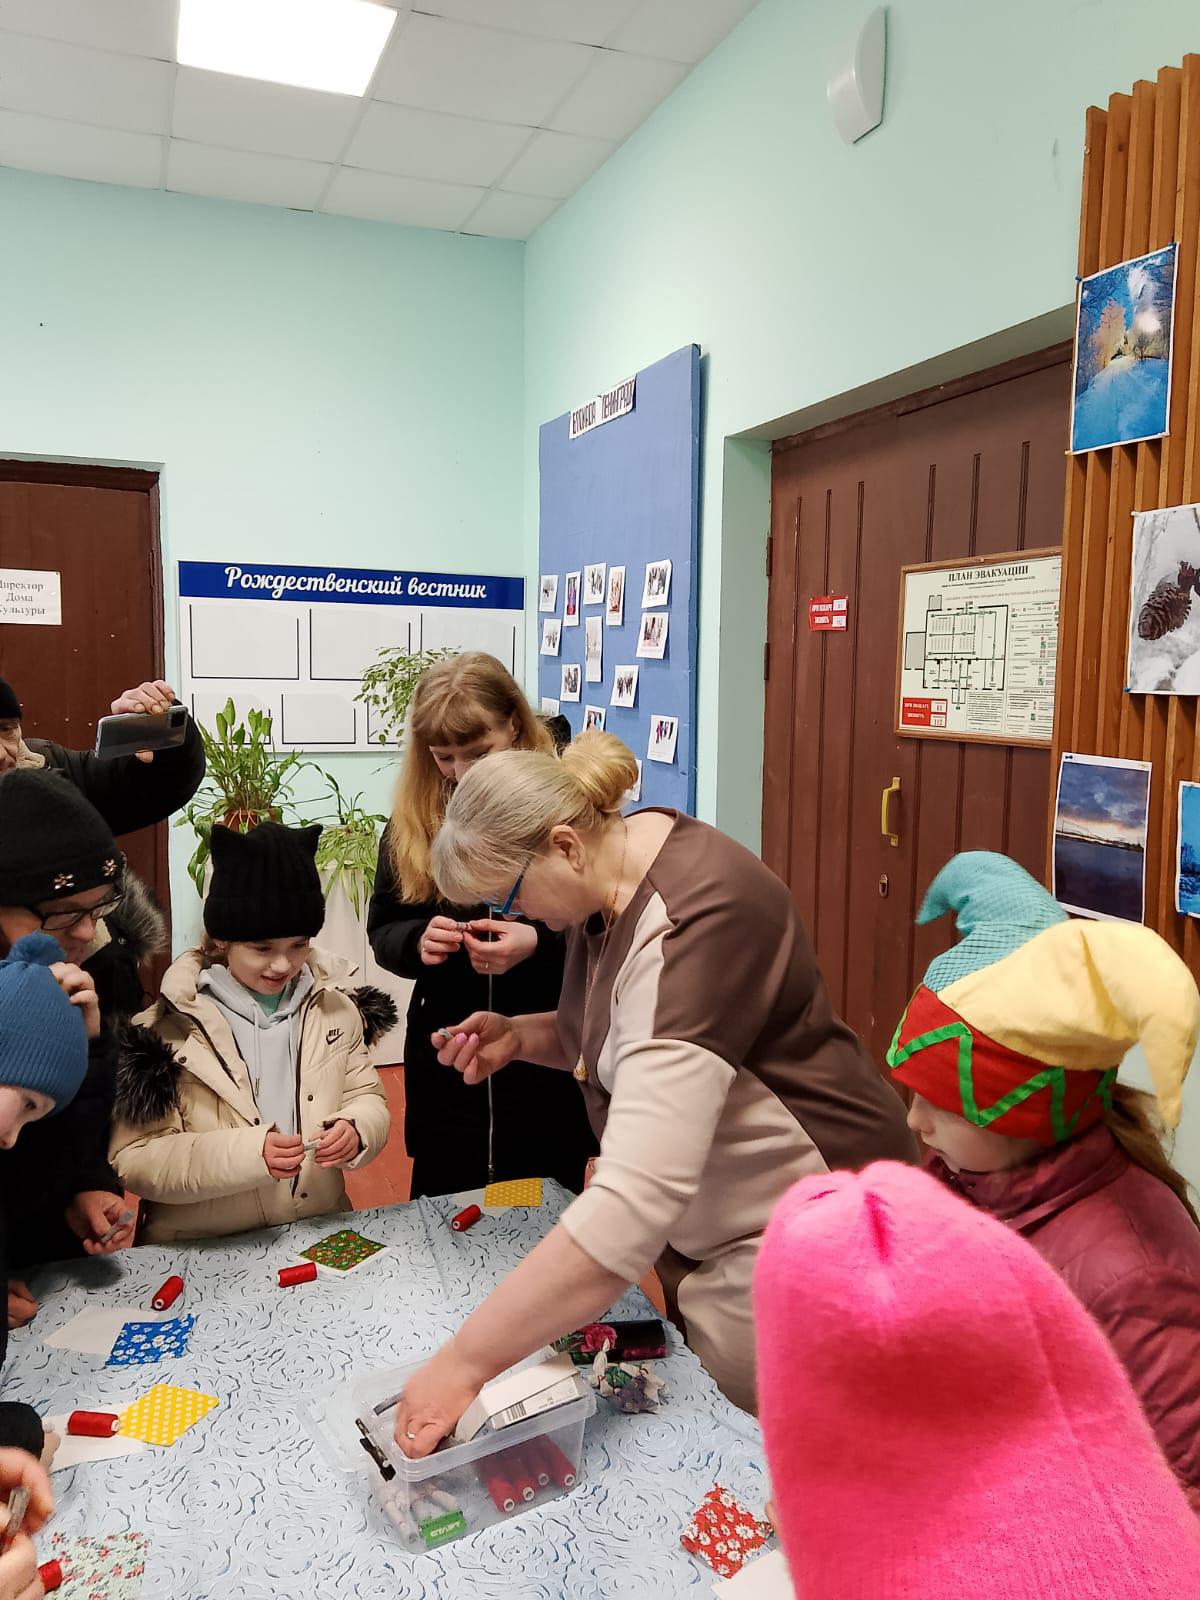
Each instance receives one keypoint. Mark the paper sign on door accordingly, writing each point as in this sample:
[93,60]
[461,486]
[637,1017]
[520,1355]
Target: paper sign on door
[30,597]
[827,613]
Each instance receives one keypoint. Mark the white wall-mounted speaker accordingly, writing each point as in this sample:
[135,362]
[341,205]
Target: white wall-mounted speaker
[856,89]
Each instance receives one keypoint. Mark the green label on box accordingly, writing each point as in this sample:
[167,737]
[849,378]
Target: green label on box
[440,1530]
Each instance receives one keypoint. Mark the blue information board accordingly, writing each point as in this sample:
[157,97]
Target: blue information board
[626,493]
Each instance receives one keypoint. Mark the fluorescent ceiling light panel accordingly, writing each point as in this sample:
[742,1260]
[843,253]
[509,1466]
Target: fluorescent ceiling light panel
[312,44]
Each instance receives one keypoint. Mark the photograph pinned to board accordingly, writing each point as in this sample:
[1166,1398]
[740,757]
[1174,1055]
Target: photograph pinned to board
[656,590]
[1164,602]
[1187,859]
[593,717]
[664,731]
[634,792]
[1124,326]
[548,592]
[624,690]
[571,585]
[593,649]
[570,681]
[652,637]
[548,706]
[1100,822]
[614,606]
[551,635]
[593,584]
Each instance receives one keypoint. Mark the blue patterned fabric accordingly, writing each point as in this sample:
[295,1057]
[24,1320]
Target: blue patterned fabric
[140,1342]
[998,907]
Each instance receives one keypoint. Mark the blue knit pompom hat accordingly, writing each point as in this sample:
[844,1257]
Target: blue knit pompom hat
[43,1037]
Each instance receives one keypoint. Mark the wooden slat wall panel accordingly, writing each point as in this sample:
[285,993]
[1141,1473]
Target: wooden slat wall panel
[1141,190]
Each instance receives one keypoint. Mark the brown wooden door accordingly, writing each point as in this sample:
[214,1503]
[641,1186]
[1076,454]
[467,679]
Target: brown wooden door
[98,528]
[969,473]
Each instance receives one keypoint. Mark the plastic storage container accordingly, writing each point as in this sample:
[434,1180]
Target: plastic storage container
[462,1488]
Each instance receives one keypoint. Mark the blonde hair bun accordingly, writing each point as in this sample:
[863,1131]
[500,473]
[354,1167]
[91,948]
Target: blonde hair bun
[602,768]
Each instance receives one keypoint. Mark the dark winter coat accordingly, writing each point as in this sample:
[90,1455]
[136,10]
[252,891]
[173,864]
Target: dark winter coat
[131,794]
[541,1122]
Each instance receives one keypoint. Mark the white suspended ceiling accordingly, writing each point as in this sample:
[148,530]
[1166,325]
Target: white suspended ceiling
[482,115]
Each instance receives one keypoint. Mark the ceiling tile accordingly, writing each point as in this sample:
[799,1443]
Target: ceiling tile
[133,27]
[51,79]
[384,198]
[619,92]
[556,163]
[679,30]
[477,72]
[428,145]
[73,150]
[270,118]
[510,216]
[583,21]
[243,175]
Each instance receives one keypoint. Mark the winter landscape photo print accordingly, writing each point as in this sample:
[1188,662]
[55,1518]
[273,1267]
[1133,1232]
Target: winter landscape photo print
[1122,380]
[1187,865]
[1100,837]
[1164,602]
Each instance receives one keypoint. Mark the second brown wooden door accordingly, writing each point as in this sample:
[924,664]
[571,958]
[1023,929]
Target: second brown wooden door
[977,474]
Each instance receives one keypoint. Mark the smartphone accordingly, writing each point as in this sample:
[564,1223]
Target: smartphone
[126,735]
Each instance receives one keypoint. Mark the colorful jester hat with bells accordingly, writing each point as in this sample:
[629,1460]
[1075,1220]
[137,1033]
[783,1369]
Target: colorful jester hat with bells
[1021,1026]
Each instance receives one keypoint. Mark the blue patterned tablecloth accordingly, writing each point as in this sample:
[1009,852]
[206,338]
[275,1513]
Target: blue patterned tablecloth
[254,1502]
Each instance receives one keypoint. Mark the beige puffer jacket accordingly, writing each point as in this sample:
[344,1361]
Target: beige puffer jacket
[187,1136]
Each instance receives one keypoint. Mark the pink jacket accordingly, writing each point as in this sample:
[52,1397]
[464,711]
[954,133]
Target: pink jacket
[1131,1254]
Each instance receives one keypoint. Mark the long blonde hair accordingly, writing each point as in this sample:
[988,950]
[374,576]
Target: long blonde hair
[505,808]
[1135,1124]
[455,701]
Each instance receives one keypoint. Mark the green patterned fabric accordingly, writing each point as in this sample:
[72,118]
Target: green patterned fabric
[997,906]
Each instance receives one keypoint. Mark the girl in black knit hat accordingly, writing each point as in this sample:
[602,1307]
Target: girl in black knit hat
[245,1092]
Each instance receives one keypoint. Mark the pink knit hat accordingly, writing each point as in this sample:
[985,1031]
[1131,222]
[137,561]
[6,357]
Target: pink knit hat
[942,1418]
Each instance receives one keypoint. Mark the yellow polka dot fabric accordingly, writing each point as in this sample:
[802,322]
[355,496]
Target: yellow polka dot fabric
[164,1413]
[517,1192]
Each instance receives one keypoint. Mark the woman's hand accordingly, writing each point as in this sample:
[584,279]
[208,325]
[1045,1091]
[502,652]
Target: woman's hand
[481,1045]
[19,1572]
[340,1144]
[433,1401]
[20,1470]
[22,1307]
[510,944]
[80,989]
[283,1153]
[154,697]
[92,1214]
[442,937]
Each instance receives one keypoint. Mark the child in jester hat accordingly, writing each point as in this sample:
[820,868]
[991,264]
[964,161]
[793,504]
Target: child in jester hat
[1011,1048]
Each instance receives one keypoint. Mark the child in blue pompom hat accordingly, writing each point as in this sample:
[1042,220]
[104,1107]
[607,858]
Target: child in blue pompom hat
[43,1058]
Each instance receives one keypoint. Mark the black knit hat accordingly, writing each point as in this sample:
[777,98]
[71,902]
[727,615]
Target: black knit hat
[10,706]
[53,842]
[265,884]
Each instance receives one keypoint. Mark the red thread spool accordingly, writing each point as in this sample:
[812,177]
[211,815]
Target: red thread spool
[51,1574]
[93,1424]
[518,1465]
[503,1494]
[556,1464]
[167,1294]
[466,1219]
[304,1274]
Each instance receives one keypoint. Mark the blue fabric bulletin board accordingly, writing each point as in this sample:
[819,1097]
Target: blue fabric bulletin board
[627,493]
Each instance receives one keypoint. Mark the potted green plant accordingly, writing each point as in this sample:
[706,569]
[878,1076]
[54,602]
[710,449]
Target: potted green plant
[246,781]
[349,846]
[388,684]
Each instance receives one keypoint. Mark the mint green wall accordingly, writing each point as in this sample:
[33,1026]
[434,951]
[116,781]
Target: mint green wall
[736,218]
[315,389]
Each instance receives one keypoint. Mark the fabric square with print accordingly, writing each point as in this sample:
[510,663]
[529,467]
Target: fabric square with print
[342,1251]
[100,1567]
[139,1342]
[164,1413]
[723,1533]
[516,1192]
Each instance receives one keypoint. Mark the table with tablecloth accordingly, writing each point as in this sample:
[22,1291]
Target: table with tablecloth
[255,1500]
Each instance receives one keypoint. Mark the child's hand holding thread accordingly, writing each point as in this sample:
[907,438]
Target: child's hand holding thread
[339,1145]
[283,1154]
[442,937]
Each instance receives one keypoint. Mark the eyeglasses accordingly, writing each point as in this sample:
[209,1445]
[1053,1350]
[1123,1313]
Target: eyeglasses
[63,921]
[503,911]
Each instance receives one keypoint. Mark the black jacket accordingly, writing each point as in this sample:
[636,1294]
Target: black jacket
[541,1123]
[20,1425]
[131,794]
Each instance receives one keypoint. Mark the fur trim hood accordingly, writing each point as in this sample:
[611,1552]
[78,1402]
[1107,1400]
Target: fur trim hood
[148,1069]
[137,922]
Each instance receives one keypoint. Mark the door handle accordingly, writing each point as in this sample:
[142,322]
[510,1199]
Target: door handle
[892,792]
